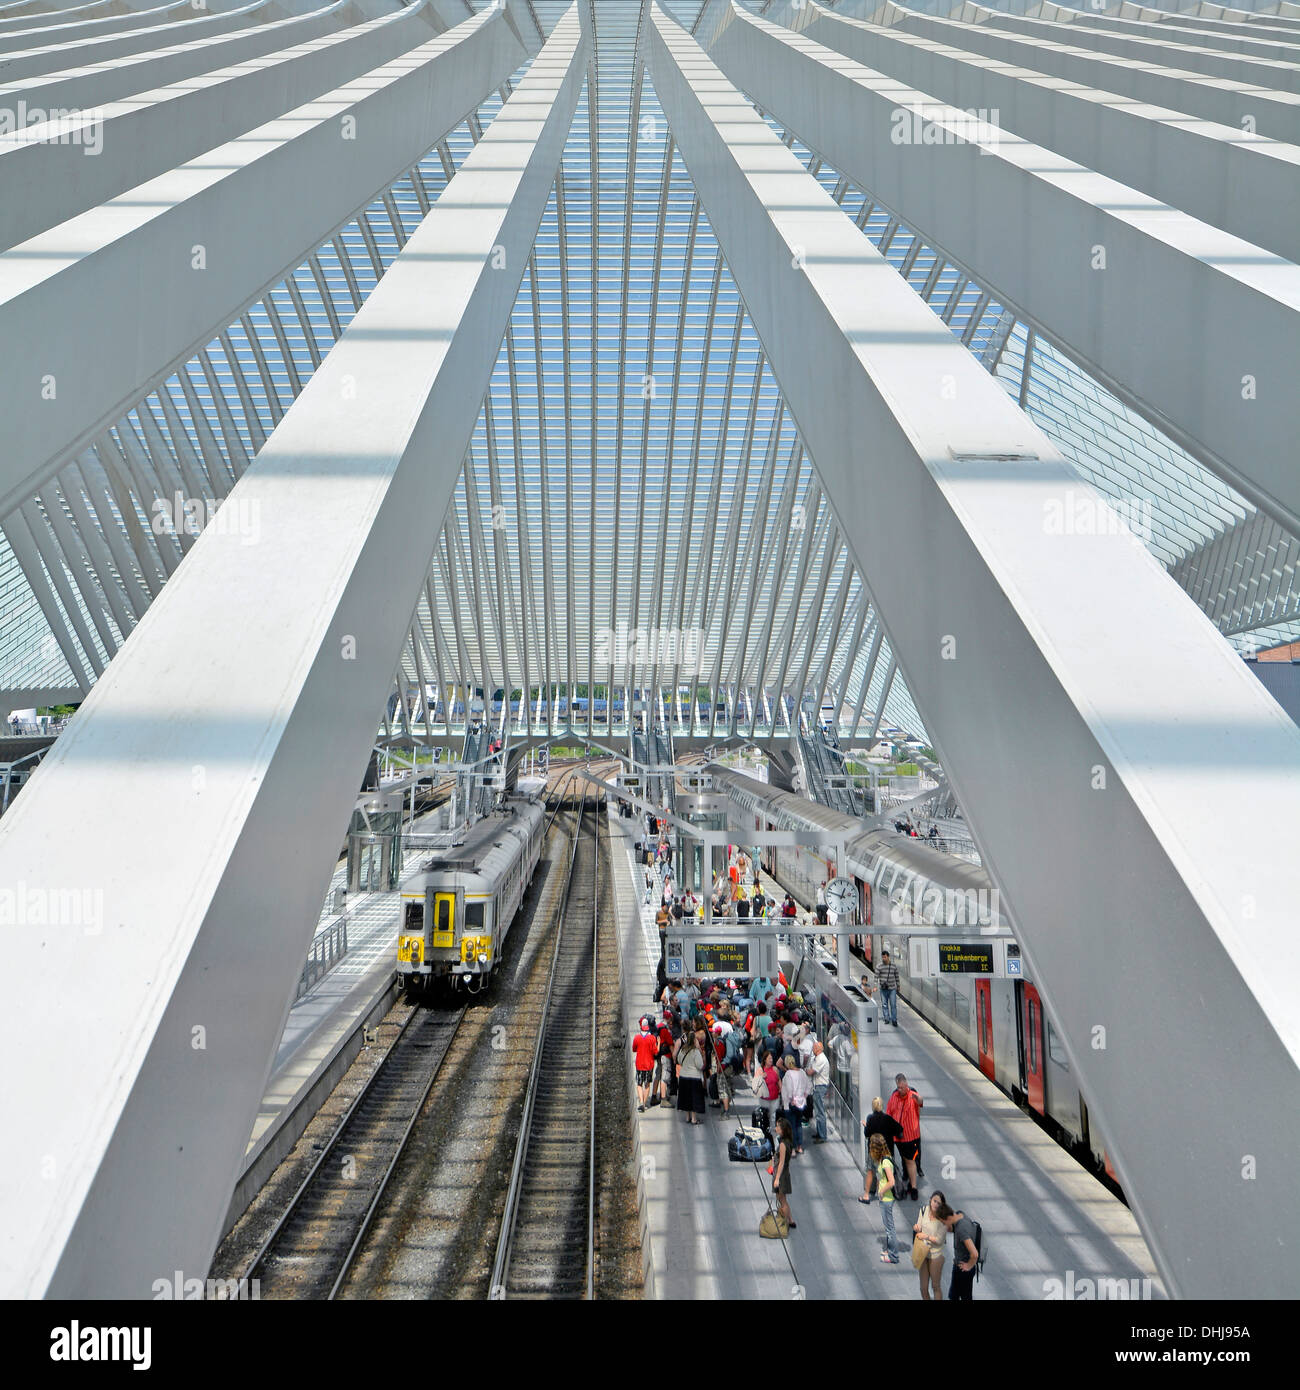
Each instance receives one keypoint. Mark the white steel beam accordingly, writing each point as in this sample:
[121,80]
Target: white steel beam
[96,82]
[122,1155]
[1245,183]
[1161,80]
[47,57]
[1277,71]
[1196,329]
[206,240]
[1026,647]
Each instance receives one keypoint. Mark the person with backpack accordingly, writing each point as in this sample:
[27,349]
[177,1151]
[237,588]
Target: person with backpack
[966,1242]
[666,1080]
[884,1166]
[719,1038]
[890,1131]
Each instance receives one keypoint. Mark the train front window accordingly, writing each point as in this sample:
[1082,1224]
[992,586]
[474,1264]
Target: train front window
[413,919]
[474,918]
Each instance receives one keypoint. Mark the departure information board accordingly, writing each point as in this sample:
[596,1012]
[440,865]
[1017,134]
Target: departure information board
[966,958]
[721,958]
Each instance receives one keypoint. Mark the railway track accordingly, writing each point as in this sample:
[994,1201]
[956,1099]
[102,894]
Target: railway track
[312,1246]
[343,1213]
[546,1245]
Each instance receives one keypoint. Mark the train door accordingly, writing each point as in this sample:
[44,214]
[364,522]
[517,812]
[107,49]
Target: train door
[984,1027]
[444,919]
[863,943]
[1035,1061]
[1018,1090]
[769,855]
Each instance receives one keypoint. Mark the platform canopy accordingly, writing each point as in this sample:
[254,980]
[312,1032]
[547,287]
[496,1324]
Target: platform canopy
[737,368]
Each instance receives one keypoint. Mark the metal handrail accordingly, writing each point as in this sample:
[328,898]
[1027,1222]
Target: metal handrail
[327,949]
[505,1240]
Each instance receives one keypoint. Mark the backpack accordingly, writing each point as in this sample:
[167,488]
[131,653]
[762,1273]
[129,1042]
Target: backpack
[980,1251]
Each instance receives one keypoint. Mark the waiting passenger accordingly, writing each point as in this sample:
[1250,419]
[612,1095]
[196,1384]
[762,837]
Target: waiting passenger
[883,1125]
[645,1048]
[884,1167]
[665,1072]
[819,1073]
[905,1106]
[931,1227]
[721,1082]
[771,1080]
[781,1184]
[965,1256]
[692,1071]
[795,1090]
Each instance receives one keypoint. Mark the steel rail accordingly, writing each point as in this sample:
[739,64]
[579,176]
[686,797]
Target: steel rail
[363,1230]
[264,1249]
[591,1088]
[505,1241]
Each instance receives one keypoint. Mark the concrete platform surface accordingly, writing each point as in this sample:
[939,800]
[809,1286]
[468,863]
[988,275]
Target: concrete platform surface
[1050,1229]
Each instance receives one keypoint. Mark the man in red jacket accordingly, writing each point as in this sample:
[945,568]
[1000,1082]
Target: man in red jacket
[905,1106]
[645,1048]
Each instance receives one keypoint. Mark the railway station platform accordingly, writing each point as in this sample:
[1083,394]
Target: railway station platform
[1050,1229]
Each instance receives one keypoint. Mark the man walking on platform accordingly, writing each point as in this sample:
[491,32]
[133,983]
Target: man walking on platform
[887,979]
[905,1106]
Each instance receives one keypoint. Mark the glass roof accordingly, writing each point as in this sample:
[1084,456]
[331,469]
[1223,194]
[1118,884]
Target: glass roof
[634,466]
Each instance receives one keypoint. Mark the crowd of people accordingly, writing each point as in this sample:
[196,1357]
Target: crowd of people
[721,1044]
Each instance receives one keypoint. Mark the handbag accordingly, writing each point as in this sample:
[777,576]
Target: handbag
[920,1251]
[773,1226]
[809,1110]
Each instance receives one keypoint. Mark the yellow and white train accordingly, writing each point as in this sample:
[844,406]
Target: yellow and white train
[458,910]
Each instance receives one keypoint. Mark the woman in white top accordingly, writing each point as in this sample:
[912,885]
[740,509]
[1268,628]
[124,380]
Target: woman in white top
[795,1090]
[931,1227]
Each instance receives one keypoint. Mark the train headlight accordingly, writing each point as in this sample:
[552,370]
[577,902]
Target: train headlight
[482,958]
